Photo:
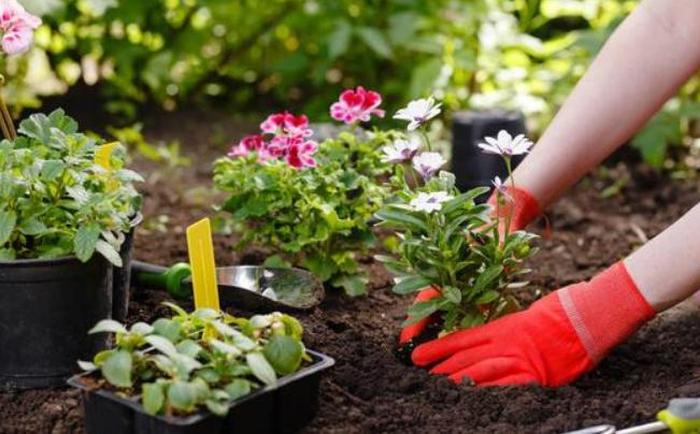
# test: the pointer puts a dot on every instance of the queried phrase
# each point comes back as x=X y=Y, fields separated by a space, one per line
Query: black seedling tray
x=283 y=408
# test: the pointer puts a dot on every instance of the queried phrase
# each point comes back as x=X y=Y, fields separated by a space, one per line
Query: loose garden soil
x=369 y=390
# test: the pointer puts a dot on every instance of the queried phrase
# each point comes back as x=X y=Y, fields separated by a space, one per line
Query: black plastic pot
x=121 y=281
x=46 y=308
x=280 y=409
x=471 y=166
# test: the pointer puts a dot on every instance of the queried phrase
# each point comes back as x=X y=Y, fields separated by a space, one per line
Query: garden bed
x=369 y=390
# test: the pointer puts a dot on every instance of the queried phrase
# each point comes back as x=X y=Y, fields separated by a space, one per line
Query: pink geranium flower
x=286 y=123
x=300 y=153
x=17 y=27
x=248 y=144
x=357 y=105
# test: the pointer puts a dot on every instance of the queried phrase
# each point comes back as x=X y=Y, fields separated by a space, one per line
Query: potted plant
x=310 y=203
x=63 y=220
x=204 y=372
x=463 y=250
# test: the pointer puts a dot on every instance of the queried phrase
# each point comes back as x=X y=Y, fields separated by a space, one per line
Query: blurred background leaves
x=249 y=57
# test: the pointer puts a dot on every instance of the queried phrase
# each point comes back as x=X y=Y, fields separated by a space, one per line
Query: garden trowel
x=682 y=416
x=249 y=287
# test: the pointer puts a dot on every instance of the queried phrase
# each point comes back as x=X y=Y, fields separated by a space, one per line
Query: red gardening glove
x=560 y=337
x=523 y=206
x=410 y=332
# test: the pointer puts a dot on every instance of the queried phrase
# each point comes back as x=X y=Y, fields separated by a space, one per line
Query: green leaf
x=411 y=284
x=339 y=40
x=284 y=354
x=7 y=255
x=32 y=226
x=261 y=368
x=117 y=369
x=452 y=294
x=353 y=285
x=459 y=201
x=487 y=277
x=182 y=396
x=488 y=297
x=162 y=344
x=422 y=309
x=219 y=408
x=276 y=261
x=167 y=328
x=50 y=169
x=189 y=348
x=108 y=326
x=402 y=217
x=8 y=219
x=109 y=252
x=237 y=388
x=153 y=397
x=85 y=241
x=375 y=40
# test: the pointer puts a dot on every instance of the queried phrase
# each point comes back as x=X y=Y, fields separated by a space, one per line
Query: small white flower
x=429 y=202
x=506 y=145
x=418 y=112
x=401 y=150
x=428 y=163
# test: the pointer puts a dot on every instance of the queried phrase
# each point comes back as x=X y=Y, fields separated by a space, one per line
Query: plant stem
x=8 y=127
x=426 y=139
x=509 y=211
x=414 y=178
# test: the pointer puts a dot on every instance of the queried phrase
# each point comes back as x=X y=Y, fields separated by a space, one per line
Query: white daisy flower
x=428 y=163
x=429 y=202
x=401 y=150
x=504 y=144
x=418 y=112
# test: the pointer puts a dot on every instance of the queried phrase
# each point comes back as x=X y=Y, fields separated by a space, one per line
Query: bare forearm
x=666 y=269
x=645 y=61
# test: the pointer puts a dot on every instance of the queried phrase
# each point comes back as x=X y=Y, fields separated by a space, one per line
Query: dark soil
x=369 y=390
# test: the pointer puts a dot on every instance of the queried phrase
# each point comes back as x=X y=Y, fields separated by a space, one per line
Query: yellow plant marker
x=103 y=153
x=201 y=252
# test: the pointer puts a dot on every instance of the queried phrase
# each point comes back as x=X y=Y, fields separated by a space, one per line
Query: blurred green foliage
x=253 y=56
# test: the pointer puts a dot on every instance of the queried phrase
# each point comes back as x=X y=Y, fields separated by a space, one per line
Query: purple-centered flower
x=418 y=112
x=427 y=164
x=429 y=202
x=501 y=187
x=505 y=145
x=401 y=150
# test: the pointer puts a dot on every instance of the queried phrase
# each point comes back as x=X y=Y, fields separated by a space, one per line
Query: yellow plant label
x=103 y=154
x=201 y=252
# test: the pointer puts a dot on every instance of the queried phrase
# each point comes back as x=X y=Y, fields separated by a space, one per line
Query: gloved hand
x=552 y=343
x=523 y=206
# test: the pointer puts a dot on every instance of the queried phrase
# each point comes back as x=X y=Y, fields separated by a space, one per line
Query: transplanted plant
x=56 y=200
x=310 y=202
x=205 y=359
x=449 y=242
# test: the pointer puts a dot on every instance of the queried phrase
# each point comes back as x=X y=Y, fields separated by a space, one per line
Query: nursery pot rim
x=322 y=362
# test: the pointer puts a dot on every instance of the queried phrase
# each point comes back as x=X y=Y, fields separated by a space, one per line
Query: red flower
x=251 y=143
x=300 y=153
x=357 y=105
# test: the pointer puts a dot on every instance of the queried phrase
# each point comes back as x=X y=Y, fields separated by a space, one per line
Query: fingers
x=426 y=294
x=464 y=359
x=410 y=332
x=439 y=349
x=490 y=370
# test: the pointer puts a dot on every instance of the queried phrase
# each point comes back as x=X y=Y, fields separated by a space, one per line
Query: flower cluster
x=16 y=26
x=283 y=136
x=357 y=106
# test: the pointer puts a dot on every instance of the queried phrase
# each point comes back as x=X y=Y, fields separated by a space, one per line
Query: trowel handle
x=156 y=276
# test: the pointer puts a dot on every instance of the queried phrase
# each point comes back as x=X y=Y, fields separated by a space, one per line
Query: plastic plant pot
x=46 y=308
x=471 y=166
x=283 y=408
x=121 y=281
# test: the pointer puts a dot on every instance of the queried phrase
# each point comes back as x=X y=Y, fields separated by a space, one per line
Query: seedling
x=56 y=199
x=446 y=240
x=206 y=359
